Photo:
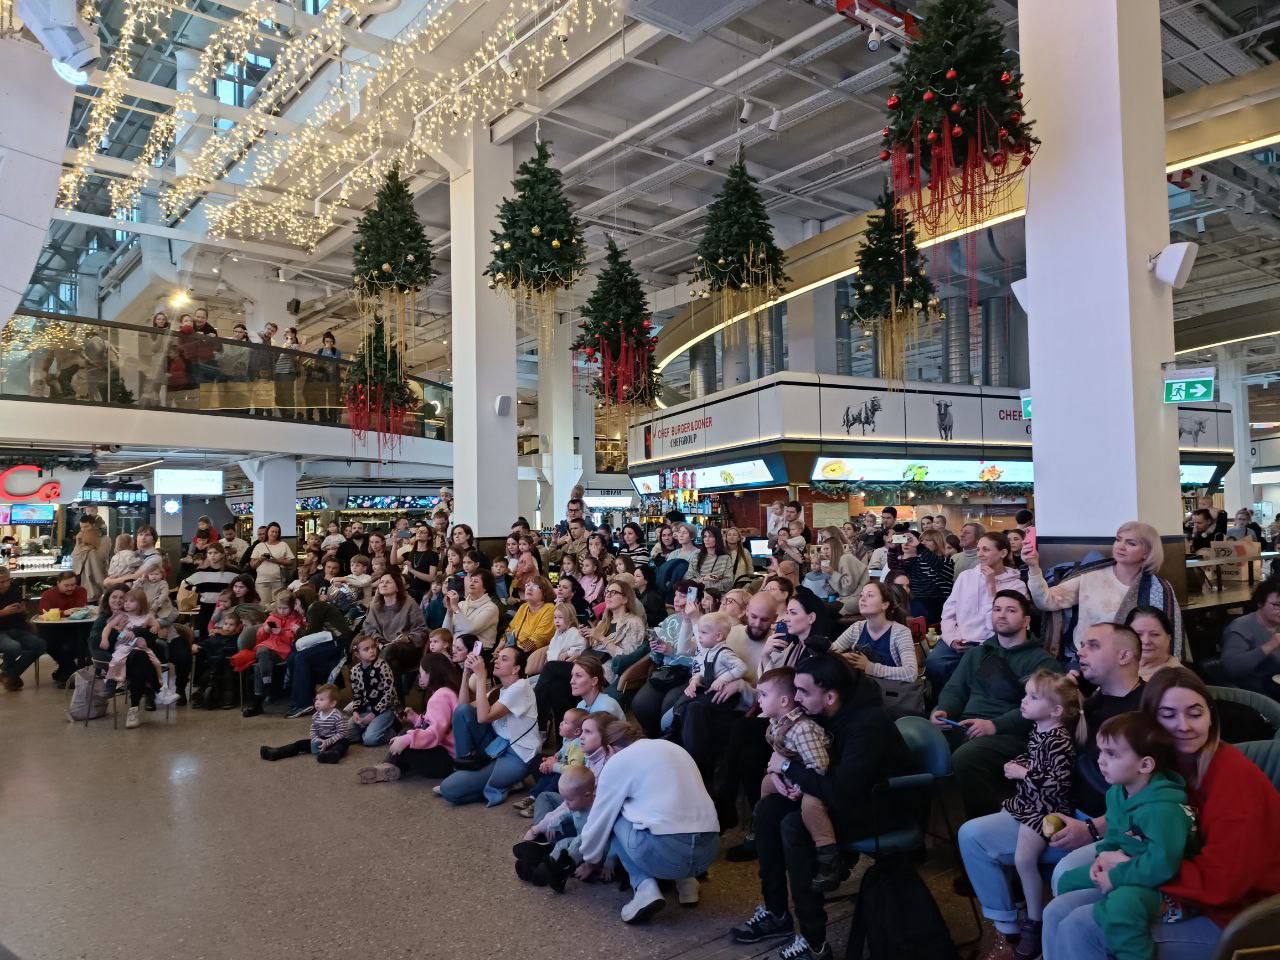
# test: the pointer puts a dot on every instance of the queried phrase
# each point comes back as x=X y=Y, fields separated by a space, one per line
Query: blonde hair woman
x=848 y=572
x=735 y=546
x=622 y=634
x=1108 y=590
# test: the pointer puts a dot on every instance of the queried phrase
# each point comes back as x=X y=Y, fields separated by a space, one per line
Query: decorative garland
x=48 y=462
x=907 y=489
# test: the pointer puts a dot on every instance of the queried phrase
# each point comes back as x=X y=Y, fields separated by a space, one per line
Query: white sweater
x=656 y=786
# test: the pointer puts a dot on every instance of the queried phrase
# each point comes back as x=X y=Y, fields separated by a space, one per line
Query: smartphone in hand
x=1029 y=540
x=477 y=648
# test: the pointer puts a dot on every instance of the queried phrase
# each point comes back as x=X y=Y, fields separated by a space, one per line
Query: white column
x=1105 y=446
x=1237 y=485
x=811 y=331
x=484 y=344
x=555 y=418
x=275 y=492
x=737 y=353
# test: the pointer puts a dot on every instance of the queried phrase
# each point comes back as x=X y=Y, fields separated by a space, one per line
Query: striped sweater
x=327 y=728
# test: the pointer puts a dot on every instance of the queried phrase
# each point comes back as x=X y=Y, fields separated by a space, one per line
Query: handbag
x=668 y=676
x=901 y=698
x=188 y=599
x=495 y=748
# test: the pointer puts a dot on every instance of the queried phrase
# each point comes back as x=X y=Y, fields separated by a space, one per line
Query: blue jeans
x=1071 y=933
x=21 y=648
x=494 y=780
x=309 y=667
x=375 y=733
x=671 y=856
x=986 y=847
x=940 y=664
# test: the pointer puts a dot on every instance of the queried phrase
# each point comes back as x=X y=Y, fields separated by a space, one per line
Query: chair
x=1266 y=756
x=1265 y=706
x=1254 y=932
x=932 y=756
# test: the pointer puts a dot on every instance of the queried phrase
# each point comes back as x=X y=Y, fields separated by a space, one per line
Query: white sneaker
x=687 y=891
x=647 y=901
x=134 y=719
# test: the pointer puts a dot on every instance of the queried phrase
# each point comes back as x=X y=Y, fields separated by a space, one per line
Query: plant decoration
x=392 y=261
x=617 y=334
x=737 y=262
x=892 y=296
x=539 y=249
x=956 y=119
x=48 y=462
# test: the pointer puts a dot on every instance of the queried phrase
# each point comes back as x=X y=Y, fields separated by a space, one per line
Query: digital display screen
x=759 y=547
x=370 y=502
x=31 y=513
x=1197 y=474
x=895 y=470
x=646 y=484
x=312 y=503
x=206 y=483
x=240 y=509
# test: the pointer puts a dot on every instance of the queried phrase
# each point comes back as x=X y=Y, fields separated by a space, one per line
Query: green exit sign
x=1026 y=408
x=1189 y=386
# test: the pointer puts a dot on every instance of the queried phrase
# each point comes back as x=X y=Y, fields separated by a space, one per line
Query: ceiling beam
x=277 y=252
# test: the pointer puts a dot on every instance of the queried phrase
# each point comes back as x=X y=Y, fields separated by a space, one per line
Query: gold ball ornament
x=492 y=284
x=868 y=288
x=917 y=305
x=386 y=268
x=536 y=230
x=409 y=258
x=497 y=248
x=555 y=244
x=506 y=244
x=500 y=277
x=720 y=262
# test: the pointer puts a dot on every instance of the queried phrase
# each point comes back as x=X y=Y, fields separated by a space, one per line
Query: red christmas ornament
x=1006 y=78
x=929 y=96
x=884 y=154
x=892 y=102
x=957 y=131
x=1017 y=94
x=957 y=109
x=1004 y=134
x=998 y=159
x=1015 y=117
x=1026 y=159
x=933 y=136
x=885 y=133
x=951 y=74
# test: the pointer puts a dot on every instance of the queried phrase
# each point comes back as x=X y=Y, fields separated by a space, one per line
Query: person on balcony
x=326 y=375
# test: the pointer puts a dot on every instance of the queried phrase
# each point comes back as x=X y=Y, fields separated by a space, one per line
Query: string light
x=317 y=168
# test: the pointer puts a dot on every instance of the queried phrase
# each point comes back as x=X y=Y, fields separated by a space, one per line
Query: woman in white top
x=652 y=812
x=502 y=738
x=1106 y=591
x=272 y=560
x=880 y=644
x=476 y=612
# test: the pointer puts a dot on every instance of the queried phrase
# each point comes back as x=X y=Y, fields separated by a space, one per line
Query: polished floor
x=176 y=840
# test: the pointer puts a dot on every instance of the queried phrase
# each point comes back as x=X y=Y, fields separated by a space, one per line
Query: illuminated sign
x=1198 y=474
x=198 y=483
x=891 y=470
x=172 y=507
x=46 y=492
x=646 y=484
x=242 y=509
x=312 y=503
x=744 y=473
x=371 y=502
x=31 y=513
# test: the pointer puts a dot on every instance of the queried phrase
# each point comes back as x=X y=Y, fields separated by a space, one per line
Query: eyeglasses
x=614 y=593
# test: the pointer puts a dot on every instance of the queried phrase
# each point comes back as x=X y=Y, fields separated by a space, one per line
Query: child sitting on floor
x=1052 y=702
x=135 y=629
x=550 y=850
x=373 y=695
x=274 y=643
x=328 y=740
x=1148 y=821
x=797 y=739
x=570 y=753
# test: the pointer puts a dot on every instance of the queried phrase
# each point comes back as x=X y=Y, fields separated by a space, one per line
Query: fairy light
x=233 y=41
x=317 y=168
x=141 y=24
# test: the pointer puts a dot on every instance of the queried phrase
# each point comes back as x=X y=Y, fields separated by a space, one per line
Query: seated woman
x=101 y=645
x=653 y=813
x=397 y=623
x=475 y=611
x=712 y=566
x=587 y=683
x=534 y=623
x=322 y=639
x=569 y=590
x=1237 y=806
x=621 y=637
x=425 y=748
x=1155 y=633
x=498 y=743
x=880 y=644
x=134 y=625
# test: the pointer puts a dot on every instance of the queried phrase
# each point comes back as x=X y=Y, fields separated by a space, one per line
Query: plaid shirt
x=797 y=736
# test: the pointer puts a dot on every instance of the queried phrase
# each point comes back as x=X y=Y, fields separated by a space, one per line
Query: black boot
x=288 y=750
x=197 y=698
x=225 y=683
x=253 y=707
x=333 y=753
x=831 y=869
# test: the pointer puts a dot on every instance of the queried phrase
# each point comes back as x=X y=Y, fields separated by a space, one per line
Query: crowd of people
x=638 y=699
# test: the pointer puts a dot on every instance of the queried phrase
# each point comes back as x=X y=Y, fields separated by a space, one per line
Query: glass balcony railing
x=77 y=360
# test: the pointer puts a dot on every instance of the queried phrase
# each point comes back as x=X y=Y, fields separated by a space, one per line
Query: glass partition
x=74 y=360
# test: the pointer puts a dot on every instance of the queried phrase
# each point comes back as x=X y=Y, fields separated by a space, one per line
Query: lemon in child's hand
x=1052 y=824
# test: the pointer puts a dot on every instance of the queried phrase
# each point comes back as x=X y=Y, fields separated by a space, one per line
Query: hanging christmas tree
x=539 y=249
x=892 y=296
x=616 y=334
x=392 y=261
x=956 y=119
x=738 y=264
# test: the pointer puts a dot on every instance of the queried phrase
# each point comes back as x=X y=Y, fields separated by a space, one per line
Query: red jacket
x=1239 y=859
x=279 y=642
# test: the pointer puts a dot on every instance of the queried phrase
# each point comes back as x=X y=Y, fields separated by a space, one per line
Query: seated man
x=18 y=644
x=1109 y=658
x=64 y=643
x=979 y=708
x=1251 y=644
x=865 y=749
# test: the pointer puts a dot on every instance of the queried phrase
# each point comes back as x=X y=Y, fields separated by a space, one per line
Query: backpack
x=89 y=699
x=896 y=917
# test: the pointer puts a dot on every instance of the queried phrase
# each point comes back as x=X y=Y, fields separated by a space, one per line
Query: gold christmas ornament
x=506 y=244
x=497 y=248
x=555 y=244
x=720 y=262
x=500 y=277
x=868 y=288
x=386 y=268
x=492 y=284
x=916 y=305
x=536 y=230
x=409 y=258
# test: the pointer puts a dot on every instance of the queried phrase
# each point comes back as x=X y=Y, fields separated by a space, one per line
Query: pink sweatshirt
x=425 y=732
x=967 y=613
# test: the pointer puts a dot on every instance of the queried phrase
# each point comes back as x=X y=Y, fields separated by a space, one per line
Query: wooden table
x=1195 y=563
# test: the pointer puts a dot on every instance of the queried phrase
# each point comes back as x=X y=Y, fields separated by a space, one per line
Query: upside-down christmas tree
x=956 y=120
x=392 y=262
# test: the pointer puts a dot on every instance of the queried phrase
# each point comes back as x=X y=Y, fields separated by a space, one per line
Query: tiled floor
x=176 y=840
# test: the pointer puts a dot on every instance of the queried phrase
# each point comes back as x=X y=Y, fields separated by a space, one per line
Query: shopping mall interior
x=379 y=375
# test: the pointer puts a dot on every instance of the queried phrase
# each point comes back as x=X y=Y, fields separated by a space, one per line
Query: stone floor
x=176 y=840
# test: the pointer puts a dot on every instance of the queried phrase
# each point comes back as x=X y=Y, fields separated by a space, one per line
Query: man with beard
x=356 y=542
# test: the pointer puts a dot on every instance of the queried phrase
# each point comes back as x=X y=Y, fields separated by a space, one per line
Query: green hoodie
x=981 y=689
